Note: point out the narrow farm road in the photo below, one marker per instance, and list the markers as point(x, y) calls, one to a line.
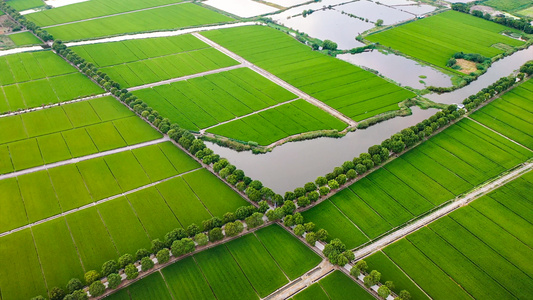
point(93, 204)
point(278, 81)
point(78, 159)
point(465, 200)
point(117, 14)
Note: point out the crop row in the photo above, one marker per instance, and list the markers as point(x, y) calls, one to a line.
point(354, 92)
point(24, 39)
point(481, 250)
point(171, 17)
point(277, 123)
point(22, 67)
point(206, 101)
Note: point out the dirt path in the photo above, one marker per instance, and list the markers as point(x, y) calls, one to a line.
point(87, 157)
point(117, 14)
point(465, 200)
point(278, 81)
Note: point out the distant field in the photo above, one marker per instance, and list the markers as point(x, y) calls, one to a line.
point(448, 164)
point(73, 130)
point(118, 226)
point(246, 268)
point(527, 12)
point(481, 250)
point(172, 17)
point(335, 286)
point(24, 38)
point(437, 38)
point(90, 9)
point(274, 124)
point(206, 101)
point(353, 91)
point(32, 79)
point(508, 5)
point(22, 5)
point(511, 114)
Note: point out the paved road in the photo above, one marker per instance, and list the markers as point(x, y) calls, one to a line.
point(78, 159)
point(277, 80)
point(402, 232)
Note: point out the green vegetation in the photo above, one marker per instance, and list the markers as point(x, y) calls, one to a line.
point(335, 286)
point(21, 5)
point(511, 114)
point(480, 249)
point(238, 92)
point(508, 5)
point(39, 78)
point(437, 38)
point(448, 164)
point(354, 92)
point(528, 12)
point(274, 124)
point(24, 39)
point(171, 17)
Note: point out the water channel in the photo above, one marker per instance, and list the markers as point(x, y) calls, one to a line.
point(293, 164)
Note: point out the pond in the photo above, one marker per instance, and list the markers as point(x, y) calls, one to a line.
point(499, 69)
point(293, 164)
point(373, 12)
point(402, 70)
point(420, 9)
point(331, 25)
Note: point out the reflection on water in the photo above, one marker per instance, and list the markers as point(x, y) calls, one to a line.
point(399, 68)
point(373, 12)
point(293, 164)
point(499, 69)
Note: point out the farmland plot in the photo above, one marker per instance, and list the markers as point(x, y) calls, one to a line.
point(354, 92)
point(437, 38)
point(24, 39)
point(335, 286)
point(32, 79)
point(480, 247)
point(171, 17)
point(455, 160)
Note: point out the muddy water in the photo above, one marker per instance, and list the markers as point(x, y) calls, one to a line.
point(404, 71)
point(293, 164)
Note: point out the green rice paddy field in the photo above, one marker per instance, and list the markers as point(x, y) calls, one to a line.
point(508, 5)
point(137, 62)
point(511, 114)
point(250, 267)
point(277, 123)
point(90, 9)
point(353, 91)
point(335, 286)
point(449, 164)
point(24, 39)
point(84, 239)
point(32, 79)
point(481, 250)
point(73, 130)
point(171, 17)
point(21, 5)
point(437, 38)
point(206, 101)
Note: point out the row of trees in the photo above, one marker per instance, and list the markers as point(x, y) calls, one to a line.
point(374, 278)
point(520, 24)
point(176, 243)
point(13, 13)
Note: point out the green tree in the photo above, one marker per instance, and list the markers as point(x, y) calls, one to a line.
point(140, 254)
point(233, 228)
point(255, 220)
point(147, 263)
point(341, 179)
point(215, 234)
point(313, 196)
point(91, 276)
point(360, 169)
point(109, 267)
point(351, 174)
point(322, 235)
point(40, 297)
point(360, 266)
point(114, 280)
point(201, 239)
point(228, 217)
point(309, 187)
point(183, 246)
point(131, 271)
point(329, 45)
point(193, 230)
point(303, 201)
point(333, 184)
point(298, 218)
point(263, 206)
point(288, 220)
point(157, 245)
point(288, 207)
point(321, 181)
point(309, 226)
point(96, 288)
point(404, 295)
point(311, 238)
point(73, 285)
point(125, 260)
point(79, 295)
point(299, 230)
point(163, 256)
point(299, 192)
point(379, 22)
point(383, 291)
point(324, 190)
point(389, 284)
point(57, 293)
point(275, 214)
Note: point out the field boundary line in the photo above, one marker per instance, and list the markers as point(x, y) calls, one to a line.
point(240, 268)
point(202, 131)
point(443, 211)
point(95, 204)
point(187, 77)
point(166, 284)
point(27, 110)
point(278, 81)
point(498, 133)
point(342, 213)
point(113, 15)
point(83, 158)
point(277, 264)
